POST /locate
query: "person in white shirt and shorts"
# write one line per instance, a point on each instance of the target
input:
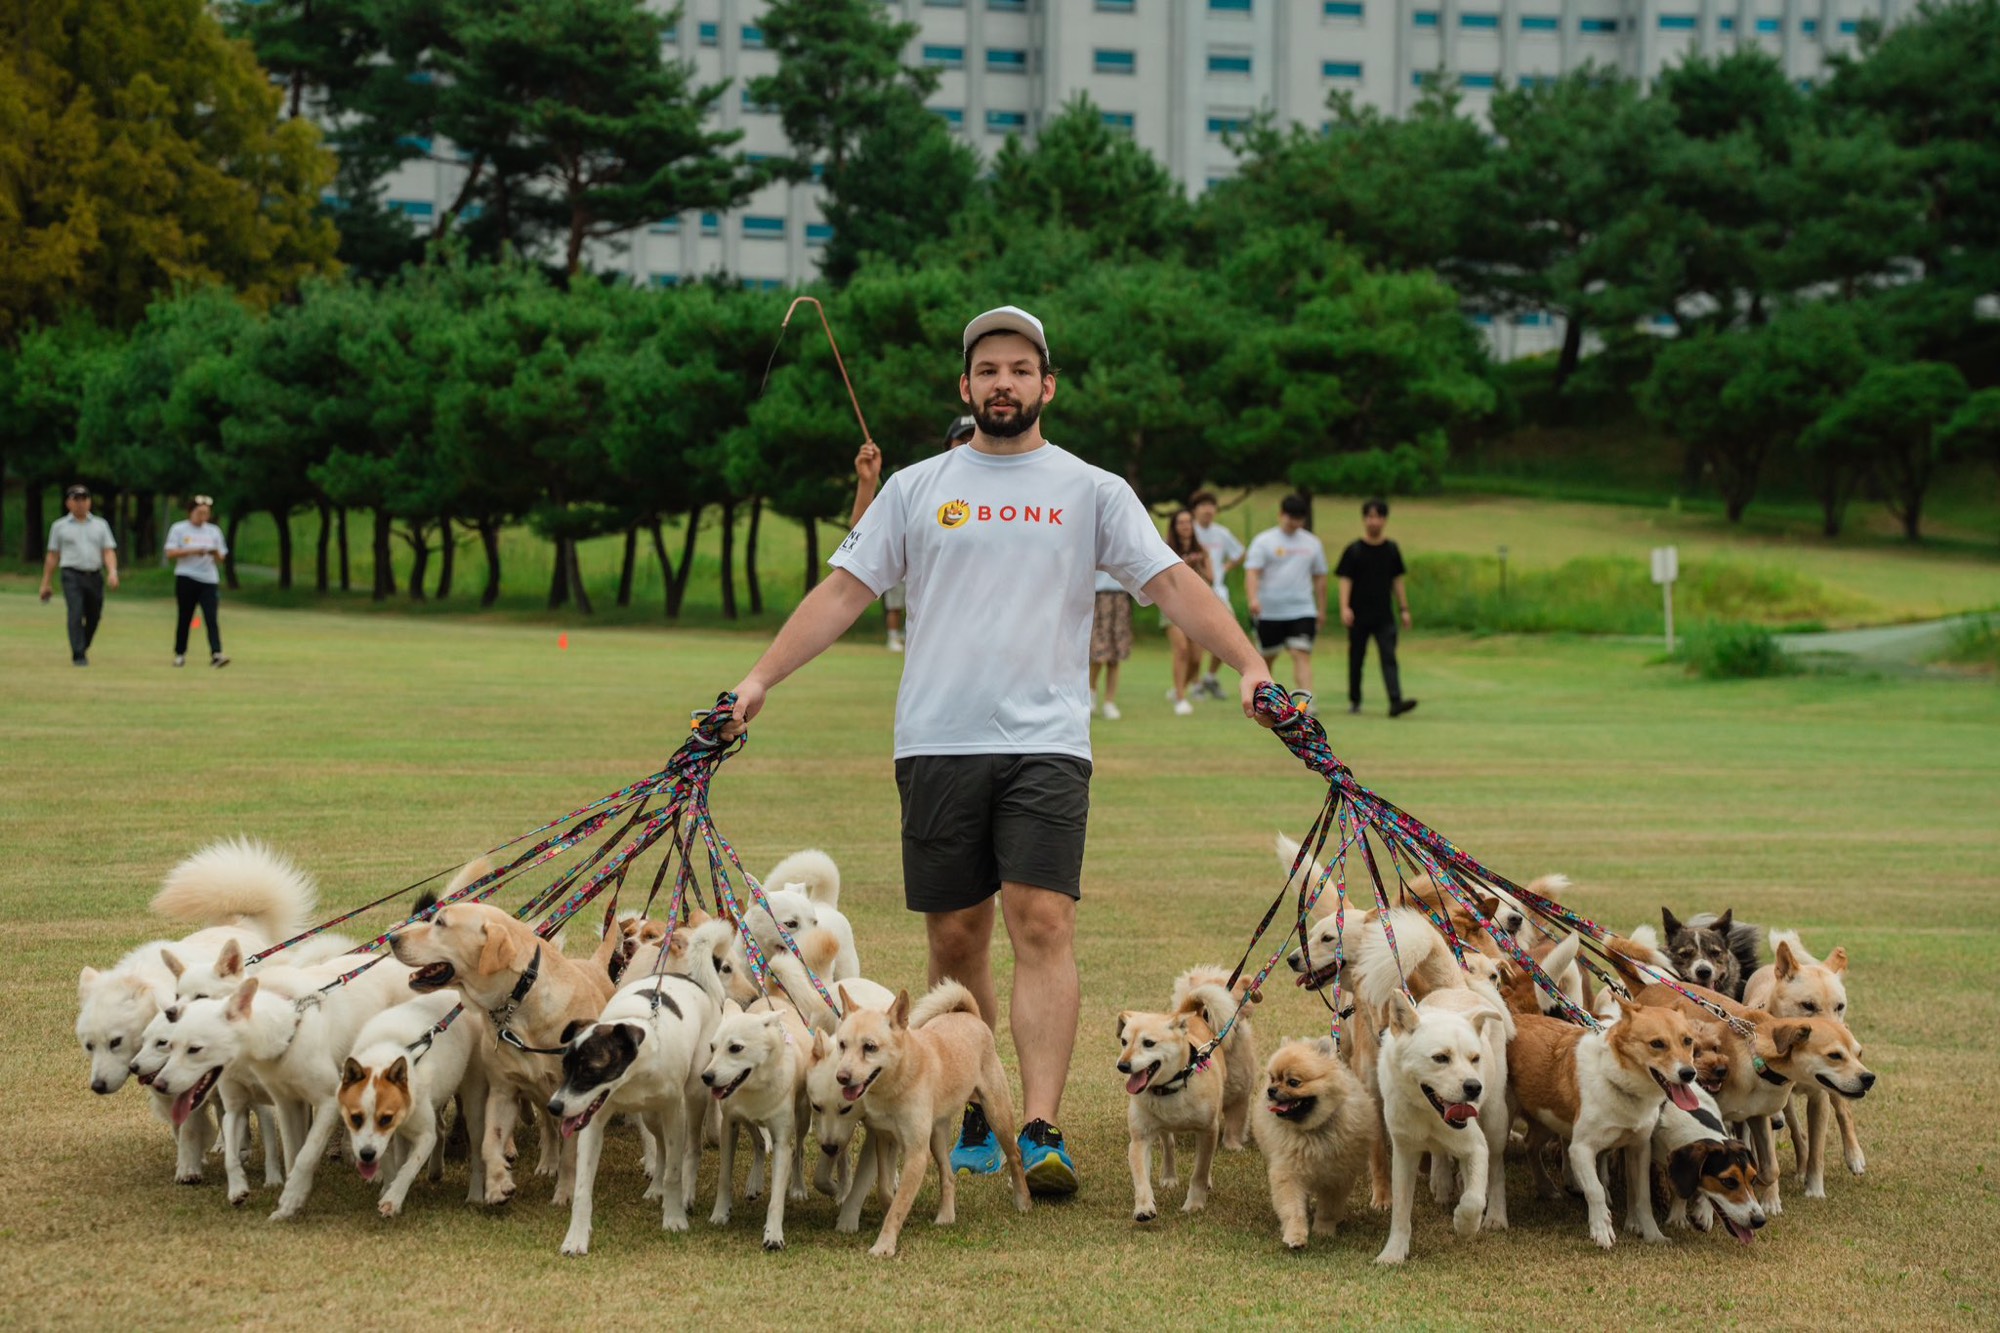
(1285, 579)
(999, 544)
(1225, 553)
(195, 545)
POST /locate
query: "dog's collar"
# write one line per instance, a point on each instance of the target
(505, 1014)
(1766, 1073)
(1196, 1062)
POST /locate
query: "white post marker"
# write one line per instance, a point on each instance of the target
(1667, 568)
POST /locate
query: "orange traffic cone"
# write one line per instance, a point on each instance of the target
(197, 621)
(562, 641)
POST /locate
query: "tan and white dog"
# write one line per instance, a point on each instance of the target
(1600, 1090)
(401, 1075)
(1315, 1130)
(1176, 1084)
(1437, 1075)
(917, 1067)
(1797, 985)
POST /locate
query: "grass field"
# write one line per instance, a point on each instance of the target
(1860, 810)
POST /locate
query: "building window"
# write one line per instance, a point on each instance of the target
(1540, 23)
(944, 4)
(756, 228)
(1426, 18)
(1114, 6)
(413, 208)
(1848, 27)
(818, 233)
(1119, 122)
(711, 225)
(1006, 60)
(1234, 64)
(1229, 6)
(1727, 23)
(1477, 81)
(709, 34)
(666, 227)
(1538, 80)
(944, 57)
(1810, 27)
(1221, 125)
(1598, 27)
(1106, 61)
(1007, 6)
(1344, 9)
(954, 116)
(666, 279)
(1678, 22)
(1487, 22)
(762, 284)
(1006, 122)
(752, 104)
(670, 36)
(1769, 25)
(753, 38)
(1531, 319)
(1341, 69)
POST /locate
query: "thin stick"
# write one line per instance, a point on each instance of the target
(866, 438)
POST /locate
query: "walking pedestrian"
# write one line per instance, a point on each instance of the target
(1285, 581)
(196, 547)
(1001, 542)
(1181, 540)
(82, 547)
(1110, 640)
(1371, 575)
(1225, 553)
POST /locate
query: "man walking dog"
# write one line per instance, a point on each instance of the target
(999, 543)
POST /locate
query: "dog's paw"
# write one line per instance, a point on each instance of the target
(847, 1228)
(1235, 1145)
(1604, 1233)
(1295, 1241)
(673, 1224)
(1380, 1200)
(774, 1240)
(1194, 1204)
(1170, 1182)
(1494, 1221)
(1815, 1189)
(1143, 1214)
(1654, 1236)
(188, 1178)
(1393, 1253)
(576, 1247)
(883, 1249)
(719, 1216)
(1857, 1165)
(560, 1199)
(389, 1207)
(238, 1198)
(1466, 1217)
(284, 1212)
(797, 1194)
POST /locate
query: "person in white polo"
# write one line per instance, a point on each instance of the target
(82, 547)
(1000, 543)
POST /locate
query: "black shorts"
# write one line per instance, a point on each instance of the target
(1275, 634)
(971, 821)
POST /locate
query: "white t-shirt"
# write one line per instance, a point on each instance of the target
(1000, 555)
(1286, 563)
(1222, 546)
(185, 534)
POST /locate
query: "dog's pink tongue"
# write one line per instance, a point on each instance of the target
(1459, 1113)
(571, 1124)
(1682, 1096)
(852, 1092)
(1137, 1083)
(368, 1169)
(184, 1106)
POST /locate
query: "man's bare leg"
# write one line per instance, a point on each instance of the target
(1047, 993)
(961, 948)
(1302, 667)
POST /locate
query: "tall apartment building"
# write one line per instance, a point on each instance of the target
(1178, 75)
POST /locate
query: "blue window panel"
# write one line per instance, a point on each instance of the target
(422, 77)
(1344, 9)
(1007, 6)
(1119, 122)
(666, 279)
(1678, 22)
(1229, 6)
(1661, 321)
(818, 233)
(1478, 80)
(1538, 80)
(762, 284)
(332, 200)
(763, 228)
(1229, 64)
(1540, 23)
(944, 57)
(1727, 23)
(818, 172)
(1482, 319)
(753, 38)
(709, 34)
(1106, 61)
(1227, 124)
(1768, 25)
(1114, 6)
(711, 225)
(1006, 60)
(666, 227)
(413, 208)
(472, 212)
(418, 142)
(1341, 69)
(1848, 27)
(1810, 27)
(1805, 85)
(670, 36)
(752, 104)
(944, 4)
(1006, 122)
(1532, 319)
(1425, 18)
(1486, 22)
(1598, 26)
(953, 115)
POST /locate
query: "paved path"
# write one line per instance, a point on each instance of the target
(1897, 643)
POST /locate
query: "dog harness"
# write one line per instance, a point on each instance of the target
(504, 1015)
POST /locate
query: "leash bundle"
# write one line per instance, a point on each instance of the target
(1358, 819)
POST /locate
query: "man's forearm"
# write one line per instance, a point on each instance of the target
(820, 619)
(1402, 595)
(1191, 604)
(111, 563)
(49, 566)
(1346, 593)
(864, 495)
(1319, 594)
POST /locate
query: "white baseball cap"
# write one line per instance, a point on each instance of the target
(1007, 319)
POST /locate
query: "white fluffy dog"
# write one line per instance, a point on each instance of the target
(1434, 1080)
(804, 890)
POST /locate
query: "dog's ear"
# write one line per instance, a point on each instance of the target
(399, 1073)
(496, 950)
(1684, 1168)
(1403, 1015)
(88, 978)
(1489, 906)
(229, 963)
(1836, 962)
(1723, 922)
(1784, 963)
(1787, 1037)
(1669, 925)
(899, 1012)
(173, 962)
(678, 945)
(633, 1035)
(846, 1000)
(1123, 1019)
(1327, 1047)
(1626, 1005)
(1488, 1018)
(352, 1073)
(238, 1007)
(818, 1046)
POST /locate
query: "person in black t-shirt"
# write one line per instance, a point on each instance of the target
(1371, 589)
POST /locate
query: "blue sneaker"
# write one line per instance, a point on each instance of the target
(978, 1151)
(1048, 1164)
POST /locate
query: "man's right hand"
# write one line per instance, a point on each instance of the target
(868, 464)
(1256, 608)
(46, 594)
(1347, 616)
(749, 703)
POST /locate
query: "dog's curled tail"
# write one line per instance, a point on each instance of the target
(947, 997)
(1623, 953)
(819, 947)
(707, 943)
(239, 879)
(1215, 1004)
(812, 872)
(1288, 852)
(470, 873)
(1550, 886)
(1790, 939)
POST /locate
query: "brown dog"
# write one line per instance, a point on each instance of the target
(1168, 1093)
(1315, 1131)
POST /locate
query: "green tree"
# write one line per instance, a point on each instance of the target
(1081, 174)
(906, 182)
(141, 148)
(1905, 420)
(42, 386)
(840, 77)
